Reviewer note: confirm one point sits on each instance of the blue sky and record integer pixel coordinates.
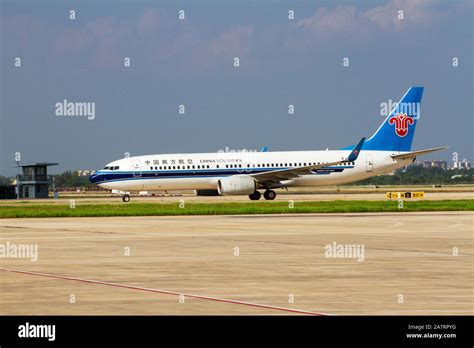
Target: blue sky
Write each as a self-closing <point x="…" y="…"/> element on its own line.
<point x="190" y="62"/>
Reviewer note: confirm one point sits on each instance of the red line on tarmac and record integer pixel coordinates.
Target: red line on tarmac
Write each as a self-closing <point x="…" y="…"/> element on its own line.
<point x="168" y="292"/>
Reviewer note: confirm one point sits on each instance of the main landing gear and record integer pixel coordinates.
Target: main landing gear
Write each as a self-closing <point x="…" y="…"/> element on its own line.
<point x="126" y="198"/>
<point x="268" y="195"/>
<point x="255" y="196"/>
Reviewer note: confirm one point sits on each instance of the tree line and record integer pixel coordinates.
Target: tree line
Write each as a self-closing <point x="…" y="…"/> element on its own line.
<point x="411" y="175"/>
<point x="417" y="175"/>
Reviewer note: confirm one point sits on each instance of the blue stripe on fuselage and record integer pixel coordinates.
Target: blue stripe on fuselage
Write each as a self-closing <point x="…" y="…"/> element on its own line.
<point x="102" y="177"/>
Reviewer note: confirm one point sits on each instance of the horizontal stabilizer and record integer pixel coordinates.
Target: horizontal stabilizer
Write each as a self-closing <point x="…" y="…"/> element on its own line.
<point x="412" y="154"/>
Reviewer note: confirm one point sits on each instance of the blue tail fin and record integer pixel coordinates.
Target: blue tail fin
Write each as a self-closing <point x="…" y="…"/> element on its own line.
<point x="397" y="130"/>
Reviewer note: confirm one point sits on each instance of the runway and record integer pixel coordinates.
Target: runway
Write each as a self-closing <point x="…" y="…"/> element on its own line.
<point x="270" y="265"/>
<point x="293" y="194"/>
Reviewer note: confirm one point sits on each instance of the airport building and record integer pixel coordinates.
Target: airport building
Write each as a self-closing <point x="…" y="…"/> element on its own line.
<point x="33" y="181"/>
<point x="435" y="164"/>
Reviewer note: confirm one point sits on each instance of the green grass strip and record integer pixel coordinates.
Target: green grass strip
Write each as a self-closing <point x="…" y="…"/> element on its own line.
<point x="261" y="207"/>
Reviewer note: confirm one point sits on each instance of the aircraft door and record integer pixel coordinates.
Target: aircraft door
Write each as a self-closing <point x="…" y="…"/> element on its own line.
<point x="369" y="163"/>
<point x="136" y="167"/>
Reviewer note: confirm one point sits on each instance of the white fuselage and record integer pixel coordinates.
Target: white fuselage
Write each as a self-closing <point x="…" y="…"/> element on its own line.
<point x="201" y="171"/>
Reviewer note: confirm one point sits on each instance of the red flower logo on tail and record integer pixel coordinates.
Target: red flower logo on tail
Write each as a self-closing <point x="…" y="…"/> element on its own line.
<point x="401" y="122"/>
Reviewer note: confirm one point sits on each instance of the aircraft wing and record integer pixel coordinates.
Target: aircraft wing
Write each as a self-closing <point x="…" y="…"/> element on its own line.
<point x="413" y="154"/>
<point x="291" y="173"/>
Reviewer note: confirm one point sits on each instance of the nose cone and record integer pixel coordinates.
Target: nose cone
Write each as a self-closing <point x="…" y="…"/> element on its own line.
<point x="95" y="178"/>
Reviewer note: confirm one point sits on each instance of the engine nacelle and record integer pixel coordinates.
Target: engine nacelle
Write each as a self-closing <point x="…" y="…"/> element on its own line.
<point x="236" y="185"/>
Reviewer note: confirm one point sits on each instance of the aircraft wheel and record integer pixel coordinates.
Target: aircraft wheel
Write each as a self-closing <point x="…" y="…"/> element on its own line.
<point x="126" y="198"/>
<point x="255" y="196"/>
<point x="269" y="195"/>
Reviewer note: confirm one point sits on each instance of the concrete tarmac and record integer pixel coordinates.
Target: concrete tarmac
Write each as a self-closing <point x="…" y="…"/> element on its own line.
<point x="412" y="263"/>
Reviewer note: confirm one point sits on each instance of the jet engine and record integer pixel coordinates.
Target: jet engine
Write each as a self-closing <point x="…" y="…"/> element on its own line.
<point x="236" y="185"/>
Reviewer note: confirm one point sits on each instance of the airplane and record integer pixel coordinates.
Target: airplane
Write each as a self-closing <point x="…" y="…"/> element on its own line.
<point x="245" y="173"/>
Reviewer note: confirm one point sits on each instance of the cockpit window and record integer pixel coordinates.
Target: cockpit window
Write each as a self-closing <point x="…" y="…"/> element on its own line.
<point x="116" y="167"/>
<point x="105" y="168"/>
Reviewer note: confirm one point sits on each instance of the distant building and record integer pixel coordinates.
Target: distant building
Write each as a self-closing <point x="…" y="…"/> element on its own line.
<point x="461" y="165"/>
<point x="435" y="164"/>
<point x="86" y="172"/>
<point x="33" y="182"/>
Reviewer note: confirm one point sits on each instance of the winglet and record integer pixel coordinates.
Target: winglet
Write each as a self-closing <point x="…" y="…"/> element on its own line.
<point x="355" y="152"/>
<point x="264" y="149"/>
